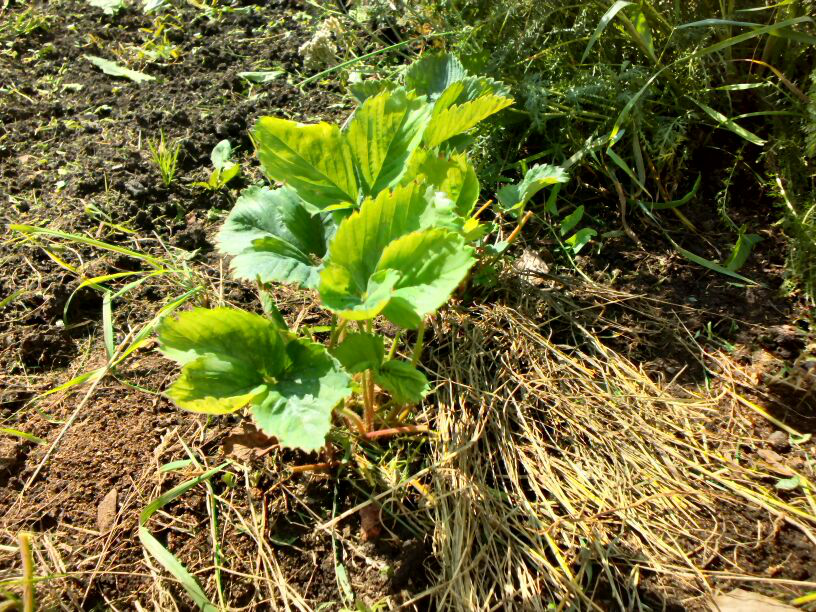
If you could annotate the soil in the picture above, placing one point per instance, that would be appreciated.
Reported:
(73, 156)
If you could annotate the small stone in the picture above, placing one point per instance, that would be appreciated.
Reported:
(779, 440)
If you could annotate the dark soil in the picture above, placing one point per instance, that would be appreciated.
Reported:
(73, 156)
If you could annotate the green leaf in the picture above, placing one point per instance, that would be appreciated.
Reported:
(274, 238)
(433, 73)
(315, 160)
(742, 250)
(233, 358)
(571, 220)
(431, 264)
(298, 408)
(359, 352)
(221, 154)
(453, 175)
(114, 69)
(220, 373)
(358, 280)
(462, 117)
(403, 381)
(216, 385)
(383, 134)
(580, 239)
(515, 197)
(344, 297)
(363, 90)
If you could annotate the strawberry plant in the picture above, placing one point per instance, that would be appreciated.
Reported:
(376, 217)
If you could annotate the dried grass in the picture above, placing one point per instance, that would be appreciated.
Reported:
(589, 484)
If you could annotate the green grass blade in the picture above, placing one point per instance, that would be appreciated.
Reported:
(164, 556)
(21, 434)
(44, 231)
(107, 324)
(729, 124)
(10, 298)
(605, 19)
(176, 569)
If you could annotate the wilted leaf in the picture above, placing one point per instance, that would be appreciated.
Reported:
(740, 600)
(114, 69)
(245, 442)
(370, 524)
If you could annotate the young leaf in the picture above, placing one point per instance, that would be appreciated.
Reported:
(403, 381)
(461, 117)
(453, 175)
(515, 197)
(742, 250)
(431, 264)
(359, 352)
(231, 359)
(315, 160)
(357, 284)
(571, 220)
(274, 238)
(383, 134)
(434, 73)
(221, 154)
(580, 239)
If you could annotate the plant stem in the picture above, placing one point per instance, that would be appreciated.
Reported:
(368, 400)
(393, 350)
(519, 227)
(396, 431)
(484, 207)
(337, 331)
(315, 467)
(354, 419)
(24, 539)
(418, 346)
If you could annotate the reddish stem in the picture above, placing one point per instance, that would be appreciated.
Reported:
(396, 431)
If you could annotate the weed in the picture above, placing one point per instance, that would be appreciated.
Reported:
(165, 157)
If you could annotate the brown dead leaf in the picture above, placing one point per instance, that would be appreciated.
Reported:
(370, 525)
(106, 511)
(740, 600)
(775, 461)
(245, 443)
